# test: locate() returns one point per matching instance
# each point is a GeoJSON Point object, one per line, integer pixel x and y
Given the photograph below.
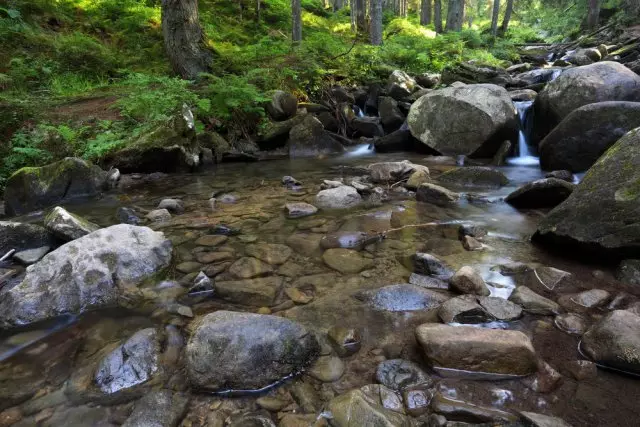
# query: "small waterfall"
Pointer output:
{"type": "Point", "coordinates": [525, 156]}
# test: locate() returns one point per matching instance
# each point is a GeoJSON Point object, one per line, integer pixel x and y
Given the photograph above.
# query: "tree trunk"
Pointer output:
{"type": "Point", "coordinates": [593, 17]}
{"type": "Point", "coordinates": [455, 15]}
{"type": "Point", "coordinates": [352, 7]}
{"type": "Point", "coordinates": [425, 12]}
{"type": "Point", "coordinates": [296, 16]}
{"type": "Point", "coordinates": [494, 17]}
{"type": "Point", "coordinates": [258, 5]}
{"type": "Point", "coordinates": [361, 16]}
{"type": "Point", "coordinates": [184, 39]}
{"type": "Point", "coordinates": [437, 15]}
{"type": "Point", "coordinates": [507, 17]}
{"type": "Point", "coordinates": [376, 22]}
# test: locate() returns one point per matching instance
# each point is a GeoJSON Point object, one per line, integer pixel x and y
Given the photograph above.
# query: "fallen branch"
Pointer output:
{"type": "Point", "coordinates": [7, 255]}
{"type": "Point", "coordinates": [404, 227]}
{"type": "Point", "coordinates": [355, 39]}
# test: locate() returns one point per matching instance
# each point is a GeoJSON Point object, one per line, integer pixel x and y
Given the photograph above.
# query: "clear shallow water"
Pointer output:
{"type": "Point", "coordinates": [44, 358]}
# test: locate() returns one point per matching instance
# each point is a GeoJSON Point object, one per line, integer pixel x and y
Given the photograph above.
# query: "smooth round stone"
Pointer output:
{"type": "Point", "coordinates": [213, 257]}
{"type": "Point", "coordinates": [248, 267]}
{"type": "Point", "coordinates": [211, 240]}
{"type": "Point", "coordinates": [327, 369]}
{"type": "Point", "coordinates": [269, 253]}
{"type": "Point", "coordinates": [346, 261]}
{"type": "Point", "coordinates": [571, 323]}
{"type": "Point", "coordinates": [299, 210]}
{"type": "Point", "coordinates": [188, 267]}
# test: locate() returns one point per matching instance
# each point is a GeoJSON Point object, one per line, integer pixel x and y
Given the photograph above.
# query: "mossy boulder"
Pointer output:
{"type": "Point", "coordinates": [470, 73]}
{"type": "Point", "coordinates": [22, 237]}
{"type": "Point", "coordinates": [34, 188]}
{"type": "Point", "coordinates": [283, 105]}
{"type": "Point", "coordinates": [67, 226]}
{"type": "Point", "coordinates": [602, 215]}
{"type": "Point", "coordinates": [309, 139]}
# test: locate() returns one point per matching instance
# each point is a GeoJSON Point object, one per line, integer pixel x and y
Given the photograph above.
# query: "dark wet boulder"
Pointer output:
{"type": "Point", "coordinates": [533, 302]}
{"type": "Point", "coordinates": [615, 341]}
{"type": "Point", "coordinates": [369, 127]}
{"type": "Point", "coordinates": [23, 236]}
{"type": "Point", "coordinates": [400, 140]}
{"type": "Point", "coordinates": [561, 174]}
{"type": "Point", "coordinates": [274, 135]}
{"type": "Point", "coordinates": [159, 408]}
{"type": "Point", "coordinates": [629, 272]}
{"type": "Point", "coordinates": [390, 115]}
{"type": "Point", "coordinates": [329, 121]}
{"type": "Point", "coordinates": [603, 213]}
{"type": "Point", "coordinates": [586, 133]}
{"type": "Point", "coordinates": [398, 374]}
{"type": "Point", "coordinates": [436, 195]}
{"type": "Point", "coordinates": [283, 105]}
{"type": "Point", "coordinates": [577, 87]}
{"type": "Point", "coordinates": [309, 139]}
{"type": "Point", "coordinates": [428, 265]}
{"type": "Point", "coordinates": [34, 188]}
{"type": "Point", "coordinates": [428, 80]}
{"type": "Point", "coordinates": [355, 408]}
{"type": "Point", "coordinates": [470, 74]}
{"type": "Point", "coordinates": [583, 56]}
{"type": "Point", "coordinates": [474, 176]}
{"type": "Point", "coordinates": [67, 226]}
{"type": "Point", "coordinates": [543, 193]}
{"type": "Point", "coordinates": [404, 297]}
{"type": "Point", "coordinates": [539, 76]}
{"type": "Point", "coordinates": [481, 117]}
{"type": "Point", "coordinates": [243, 351]}
{"type": "Point", "coordinates": [114, 262]}
{"type": "Point", "coordinates": [400, 85]}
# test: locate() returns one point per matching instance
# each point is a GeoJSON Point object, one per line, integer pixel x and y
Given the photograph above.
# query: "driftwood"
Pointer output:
{"type": "Point", "coordinates": [7, 255]}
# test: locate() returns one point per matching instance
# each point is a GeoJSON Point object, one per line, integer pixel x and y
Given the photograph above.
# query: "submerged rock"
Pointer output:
{"type": "Point", "coordinates": [127, 216]}
{"type": "Point", "coordinates": [346, 261]}
{"type": "Point", "coordinates": [23, 236]}
{"type": "Point", "coordinates": [629, 272]}
{"type": "Point", "coordinates": [355, 408]}
{"type": "Point", "coordinates": [532, 302]}
{"type": "Point", "coordinates": [67, 226]}
{"type": "Point", "coordinates": [404, 297]}
{"type": "Point", "coordinates": [270, 253]}
{"type": "Point", "coordinates": [114, 262]}
{"type": "Point", "coordinates": [540, 420]}
{"type": "Point", "coordinates": [457, 409]}
{"type": "Point", "coordinates": [474, 176]}
{"type": "Point", "coordinates": [259, 292]}
{"type": "Point", "coordinates": [436, 195]}
{"type": "Point", "coordinates": [175, 206]}
{"type": "Point", "coordinates": [345, 341]}
{"type": "Point", "coordinates": [468, 281]}
{"type": "Point", "coordinates": [160, 408]}
{"type": "Point", "coordinates": [398, 374]}
{"type": "Point", "coordinates": [543, 193]}
{"type": "Point", "coordinates": [299, 210]}
{"type": "Point", "coordinates": [615, 342]}
{"type": "Point", "coordinates": [235, 351]}
{"type": "Point", "coordinates": [343, 197]}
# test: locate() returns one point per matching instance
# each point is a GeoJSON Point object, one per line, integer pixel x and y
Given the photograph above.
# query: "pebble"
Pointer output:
{"type": "Point", "coordinates": [327, 369]}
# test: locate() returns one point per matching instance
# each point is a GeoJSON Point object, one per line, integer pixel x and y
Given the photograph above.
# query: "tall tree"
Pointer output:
{"type": "Point", "coordinates": [375, 12]}
{"type": "Point", "coordinates": [361, 15]}
{"type": "Point", "coordinates": [593, 17]}
{"type": "Point", "coordinates": [455, 15]}
{"type": "Point", "coordinates": [184, 39]}
{"type": "Point", "coordinates": [494, 17]}
{"type": "Point", "coordinates": [437, 15]}
{"type": "Point", "coordinates": [507, 17]}
{"type": "Point", "coordinates": [425, 12]}
{"type": "Point", "coordinates": [296, 17]}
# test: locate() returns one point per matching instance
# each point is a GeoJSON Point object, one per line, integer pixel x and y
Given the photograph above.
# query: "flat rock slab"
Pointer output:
{"type": "Point", "coordinates": [543, 193]}
{"type": "Point", "coordinates": [346, 261]}
{"type": "Point", "coordinates": [404, 297]}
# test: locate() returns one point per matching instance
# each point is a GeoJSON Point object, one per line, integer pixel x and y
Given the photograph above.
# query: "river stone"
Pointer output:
{"type": "Point", "coordinates": [404, 297]}
{"type": "Point", "coordinates": [540, 420]}
{"type": "Point", "coordinates": [400, 140]}
{"type": "Point", "coordinates": [571, 323]}
{"type": "Point", "coordinates": [429, 265]}
{"type": "Point", "coordinates": [532, 302]}
{"type": "Point", "coordinates": [269, 253]}
{"type": "Point", "coordinates": [369, 127]}
{"type": "Point", "coordinates": [586, 133]}
{"type": "Point", "coordinates": [491, 351]}
{"type": "Point", "coordinates": [127, 216]}
{"type": "Point", "coordinates": [427, 281]}
{"type": "Point", "coordinates": [582, 369]}
{"type": "Point", "coordinates": [211, 240]}
{"type": "Point", "coordinates": [523, 95]}
{"type": "Point", "coordinates": [436, 195]}
{"type": "Point", "coordinates": [629, 272]}
{"type": "Point", "coordinates": [307, 244]}
{"type": "Point", "coordinates": [34, 188]}
{"type": "Point", "coordinates": [98, 270]}
{"type": "Point", "coordinates": [583, 56]}
{"type": "Point", "coordinates": [299, 209]}
{"type": "Point", "coordinates": [474, 176]}
{"type": "Point", "coordinates": [390, 115]}
{"type": "Point", "coordinates": [416, 179]}
{"type": "Point", "coordinates": [346, 261]}
{"type": "Point", "coordinates": [282, 106]}
{"type": "Point", "coordinates": [392, 172]}
{"type": "Point", "coordinates": [343, 197]}
{"type": "Point", "coordinates": [612, 225]}
{"type": "Point", "coordinates": [400, 85]}
{"type": "Point", "coordinates": [175, 206]}
{"type": "Point", "coordinates": [327, 369]}
{"type": "Point", "coordinates": [543, 193]}
{"type": "Point", "coordinates": [585, 300]}
{"type": "Point", "coordinates": [398, 374]}
{"type": "Point", "coordinates": [500, 309]}
{"type": "Point", "coordinates": [615, 342]}
{"type": "Point", "coordinates": [31, 256]}
{"type": "Point", "coordinates": [132, 363]}
{"type": "Point", "coordinates": [23, 236]}
{"type": "Point", "coordinates": [67, 226]}
{"type": "Point", "coordinates": [385, 397]}
{"type": "Point", "coordinates": [355, 408]}
{"type": "Point", "coordinates": [259, 292]}
{"type": "Point", "coordinates": [480, 116]}
{"type": "Point", "coordinates": [348, 240]}
{"type": "Point", "coordinates": [468, 281]}
{"type": "Point", "coordinates": [479, 415]}
{"type": "Point", "coordinates": [345, 341]}
{"type": "Point", "coordinates": [249, 267]}
{"type": "Point", "coordinates": [159, 408]}
{"type": "Point", "coordinates": [244, 351]}
{"type": "Point", "coordinates": [471, 73]}
{"type": "Point", "coordinates": [309, 139]}
{"type": "Point", "coordinates": [579, 86]}
{"type": "Point", "coordinates": [463, 309]}
{"type": "Point", "coordinates": [471, 244]}
{"type": "Point", "coordinates": [564, 175]}
{"type": "Point", "coordinates": [159, 215]}
{"type": "Point", "coordinates": [213, 257]}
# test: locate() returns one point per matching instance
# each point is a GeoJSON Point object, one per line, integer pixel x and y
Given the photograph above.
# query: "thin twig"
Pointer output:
{"type": "Point", "coordinates": [7, 255]}
{"type": "Point", "coordinates": [355, 39]}
{"type": "Point", "coordinates": [425, 225]}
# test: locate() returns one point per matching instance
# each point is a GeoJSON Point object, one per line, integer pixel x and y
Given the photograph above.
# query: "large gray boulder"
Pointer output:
{"type": "Point", "coordinates": [586, 133]}
{"type": "Point", "coordinates": [470, 120]}
{"type": "Point", "coordinates": [23, 236]}
{"type": "Point", "coordinates": [102, 269]}
{"type": "Point", "coordinates": [245, 351]}
{"type": "Point", "coordinates": [309, 139]}
{"type": "Point", "coordinates": [30, 189]}
{"type": "Point", "coordinates": [576, 87]}
{"type": "Point", "coordinates": [615, 341]}
{"type": "Point", "coordinates": [603, 212]}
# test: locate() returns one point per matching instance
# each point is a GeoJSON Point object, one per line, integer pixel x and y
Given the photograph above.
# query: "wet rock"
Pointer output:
{"type": "Point", "coordinates": [460, 410]}
{"type": "Point", "coordinates": [273, 254]}
{"type": "Point", "coordinates": [63, 282]}
{"type": "Point", "coordinates": [586, 133]}
{"type": "Point", "coordinates": [298, 296]}
{"type": "Point", "coordinates": [429, 120]}
{"type": "Point", "coordinates": [159, 215]}
{"type": "Point", "coordinates": [427, 282]}
{"type": "Point", "coordinates": [442, 246]}
{"type": "Point", "coordinates": [327, 369]}
{"type": "Point", "coordinates": [429, 265]}
{"type": "Point", "coordinates": [500, 157]}
{"type": "Point", "coordinates": [211, 240]}
{"type": "Point", "coordinates": [22, 236]}
{"type": "Point", "coordinates": [428, 80]}
{"type": "Point", "coordinates": [564, 175]}
{"type": "Point", "coordinates": [436, 195]}
{"type": "Point", "coordinates": [348, 240]}
{"type": "Point", "coordinates": [468, 281]}
{"type": "Point", "coordinates": [523, 95]}
{"type": "Point", "coordinates": [131, 364]}
{"type": "Point", "coordinates": [390, 115]}
{"type": "Point", "coordinates": [343, 197]}
{"type": "Point", "coordinates": [161, 408]}
{"type": "Point", "coordinates": [127, 216]}
{"type": "Point", "coordinates": [283, 105]}
{"type": "Point", "coordinates": [546, 379]}
{"type": "Point", "coordinates": [346, 261]}
{"type": "Point", "coordinates": [355, 408]}
{"type": "Point", "coordinates": [471, 244]}
{"type": "Point", "coordinates": [384, 397]}
{"type": "Point", "coordinates": [514, 268]}
{"type": "Point", "coordinates": [615, 342]}
{"type": "Point", "coordinates": [586, 300]}
{"type": "Point", "coordinates": [404, 297]}
{"type": "Point", "coordinates": [543, 193]}
{"type": "Point", "coordinates": [368, 127]}
{"type": "Point", "coordinates": [329, 121]}
{"type": "Point", "coordinates": [189, 267]}
{"type": "Point", "coordinates": [571, 323]}
{"type": "Point", "coordinates": [67, 226]}
{"type": "Point", "coordinates": [400, 85]}
{"type": "Point", "coordinates": [471, 73]}
{"type": "Point", "coordinates": [629, 272]}
{"type": "Point", "coordinates": [299, 210]}
{"type": "Point", "coordinates": [34, 188]}
{"type": "Point", "coordinates": [307, 244]}
{"type": "Point", "coordinates": [251, 420]}
{"type": "Point", "coordinates": [500, 309]}
{"type": "Point", "coordinates": [417, 401]}
{"type": "Point", "coordinates": [31, 256]}
{"type": "Point", "coordinates": [532, 302]}
{"type": "Point", "coordinates": [479, 350]}
{"type": "Point", "coordinates": [581, 369]}
{"type": "Point", "coordinates": [309, 139]}
{"type": "Point", "coordinates": [213, 257]}
{"type": "Point", "coordinates": [345, 341]}
{"type": "Point", "coordinates": [463, 309]}
{"type": "Point", "coordinates": [175, 206]}
{"type": "Point", "coordinates": [399, 374]}
{"type": "Point", "coordinates": [233, 351]}
{"type": "Point", "coordinates": [474, 176]}
{"type": "Point", "coordinates": [400, 140]}
{"type": "Point", "coordinates": [540, 420]}
{"type": "Point", "coordinates": [392, 172]}
{"type": "Point", "coordinates": [473, 230]}
{"type": "Point", "coordinates": [416, 179]}
{"type": "Point", "coordinates": [255, 292]}
{"type": "Point", "coordinates": [538, 76]}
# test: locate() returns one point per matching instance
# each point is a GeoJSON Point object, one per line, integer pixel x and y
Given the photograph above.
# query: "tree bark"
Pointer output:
{"type": "Point", "coordinates": [593, 18]}
{"type": "Point", "coordinates": [437, 15]}
{"type": "Point", "coordinates": [425, 12]}
{"type": "Point", "coordinates": [455, 15]}
{"type": "Point", "coordinates": [258, 5]}
{"type": "Point", "coordinates": [184, 39]}
{"type": "Point", "coordinates": [296, 17]}
{"type": "Point", "coordinates": [507, 17]}
{"type": "Point", "coordinates": [352, 7]}
{"type": "Point", "coordinates": [494, 17]}
{"type": "Point", "coordinates": [376, 22]}
{"type": "Point", "coordinates": [361, 16]}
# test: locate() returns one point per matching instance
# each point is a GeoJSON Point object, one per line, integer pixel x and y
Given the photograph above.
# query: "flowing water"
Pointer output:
{"type": "Point", "coordinates": [525, 152]}
{"type": "Point", "coordinates": [39, 363]}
